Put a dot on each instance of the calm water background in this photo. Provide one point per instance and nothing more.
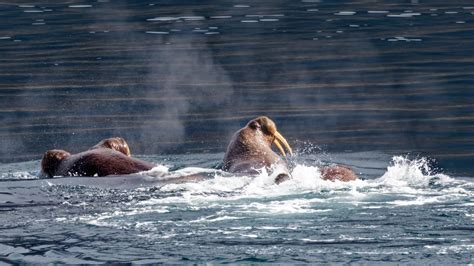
(352, 82)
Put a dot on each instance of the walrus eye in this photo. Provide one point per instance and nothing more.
(254, 125)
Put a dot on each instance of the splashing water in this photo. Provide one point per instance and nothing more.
(406, 210)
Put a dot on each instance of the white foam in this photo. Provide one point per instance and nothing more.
(18, 175)
(416, 201)
(406, 172)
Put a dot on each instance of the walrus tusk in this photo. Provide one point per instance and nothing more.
(278, 144)
(280, 138)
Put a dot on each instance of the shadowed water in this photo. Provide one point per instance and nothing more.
(352, 82)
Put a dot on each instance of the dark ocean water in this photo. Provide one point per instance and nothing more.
(385, 87)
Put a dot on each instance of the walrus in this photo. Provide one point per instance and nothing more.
(101, 162)
(117, 143)
(110, 156)
(250, 149)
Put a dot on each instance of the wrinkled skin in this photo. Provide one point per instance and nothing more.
(250, 149)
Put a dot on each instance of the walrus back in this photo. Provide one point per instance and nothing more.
(102, 162)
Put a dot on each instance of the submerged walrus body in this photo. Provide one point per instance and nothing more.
(250, 149)
(108, 157)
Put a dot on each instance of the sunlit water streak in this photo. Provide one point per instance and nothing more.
(401, 210)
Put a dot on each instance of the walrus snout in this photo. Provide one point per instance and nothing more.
(51, 161)
(271, 134)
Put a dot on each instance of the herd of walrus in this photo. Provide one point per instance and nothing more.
(249, 150)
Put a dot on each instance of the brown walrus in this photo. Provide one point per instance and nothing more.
(337, 172)
(250, 149)
(109, 157)
(117, 143)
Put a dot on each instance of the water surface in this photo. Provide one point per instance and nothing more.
(402, 211)
(384, 87)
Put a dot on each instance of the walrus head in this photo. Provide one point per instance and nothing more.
(251, 146)
(51, 161)
(117, 144)
(270, 133)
